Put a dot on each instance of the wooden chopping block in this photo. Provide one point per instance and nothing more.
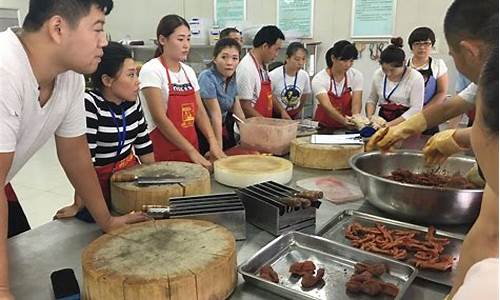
(128, 196)
(245, 170)
(317, 156)
(165, 259)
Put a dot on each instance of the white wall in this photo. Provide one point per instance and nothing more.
(332, 21)
(22, 5)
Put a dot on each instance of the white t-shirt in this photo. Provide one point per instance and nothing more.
(469, 93)
(248, 79)
(153, 74)
(321, 82)
(409, 93)
(25, 126)
(303, 86)
(438, 65)
(481, 281)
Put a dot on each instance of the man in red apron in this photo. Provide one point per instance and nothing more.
(264, 103)
(341, 102)
(255, 101)
(17, 222)
(181, 110)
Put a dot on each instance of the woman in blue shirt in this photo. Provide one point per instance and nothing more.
(218, 92)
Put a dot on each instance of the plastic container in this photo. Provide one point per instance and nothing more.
(268, 135)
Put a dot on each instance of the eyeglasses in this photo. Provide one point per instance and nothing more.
(423, 43)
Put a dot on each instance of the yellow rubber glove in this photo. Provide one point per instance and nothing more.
(359, 121)
(440, 146)
(474, 177)
(377, 122)
(385, 138)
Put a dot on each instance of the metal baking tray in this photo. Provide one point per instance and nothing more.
(337, 259)
(334, 231)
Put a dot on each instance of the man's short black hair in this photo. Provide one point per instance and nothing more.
(466, 19)
(71, 10)
(268, 35)
(488, 83)
(227, 31)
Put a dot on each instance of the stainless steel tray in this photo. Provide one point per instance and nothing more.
(337, 259)
(334, 231)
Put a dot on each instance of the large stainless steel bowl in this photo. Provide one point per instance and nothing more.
(412, 202)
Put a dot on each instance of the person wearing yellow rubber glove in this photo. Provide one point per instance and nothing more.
(470, 41)
(477, 272)
(444, 144)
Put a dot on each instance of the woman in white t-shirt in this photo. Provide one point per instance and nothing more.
(290, 83)
(338, 88)
(172, 100)
(398, 90)
(434, 70)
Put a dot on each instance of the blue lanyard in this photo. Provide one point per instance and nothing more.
(294, 81)
(394, 89)
(122, 135)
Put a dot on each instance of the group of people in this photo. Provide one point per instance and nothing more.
(166, 112)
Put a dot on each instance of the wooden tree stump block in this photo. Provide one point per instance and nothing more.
(128, 196)
(317, 156)
(161, 260)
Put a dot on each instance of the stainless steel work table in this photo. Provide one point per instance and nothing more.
(35, 254)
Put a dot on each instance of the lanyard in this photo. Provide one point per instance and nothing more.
(343, 87)
(294, 81)
(121, 134)
(394, 89)
(259, 69)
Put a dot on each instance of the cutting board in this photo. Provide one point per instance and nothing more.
(161, 260)
(128, 196)
(317, 156)
(335, 189)
(245, 170)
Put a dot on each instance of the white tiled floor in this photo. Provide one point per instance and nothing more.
(42, 187)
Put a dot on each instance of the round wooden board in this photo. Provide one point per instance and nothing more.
(165, 259)
(326, 157)
(245, 170)
(128, 196)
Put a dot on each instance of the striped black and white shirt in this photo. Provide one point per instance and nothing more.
(102, 132)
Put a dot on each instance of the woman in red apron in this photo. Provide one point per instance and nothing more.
(421, 42)
(170, 90)
(342, 98)
(116, 129)
(396, 87)
(290, 83)
(266, 46)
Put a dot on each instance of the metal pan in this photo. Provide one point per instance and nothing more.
(337, 259)
(334, 231)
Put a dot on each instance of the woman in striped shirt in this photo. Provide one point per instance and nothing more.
(116, 129)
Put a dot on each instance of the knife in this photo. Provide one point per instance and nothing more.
(337, 139)
(147, 180)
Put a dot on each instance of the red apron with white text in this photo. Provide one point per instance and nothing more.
(264, 104)
(104, 173)
(181, 111)
(342, 103)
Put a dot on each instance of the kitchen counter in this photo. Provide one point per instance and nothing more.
(35, 254)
